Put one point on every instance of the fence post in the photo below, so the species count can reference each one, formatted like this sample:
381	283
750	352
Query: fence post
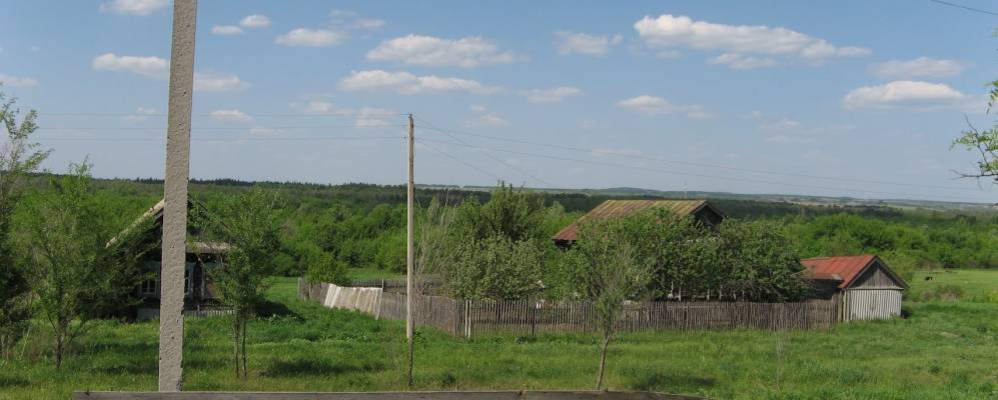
467	319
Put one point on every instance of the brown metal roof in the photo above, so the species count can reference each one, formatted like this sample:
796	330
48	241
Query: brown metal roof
623	208
847	268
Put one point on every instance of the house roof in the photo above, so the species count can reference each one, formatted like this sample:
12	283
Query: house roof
623	208
846	268
156	213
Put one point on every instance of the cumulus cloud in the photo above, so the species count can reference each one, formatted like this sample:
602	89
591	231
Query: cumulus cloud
304	37
231	116
153	67
914	94
321	107
553	95
467	52
407	83
484	117
133	7
211	82
669	32
17	81
651	105
922	67
226	30
584	43
255	21
140	114
372	116
738	61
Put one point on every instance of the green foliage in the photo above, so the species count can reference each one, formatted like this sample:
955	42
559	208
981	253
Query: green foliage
510	213
755	260
607	271
496	268
250	224
18	156
74	272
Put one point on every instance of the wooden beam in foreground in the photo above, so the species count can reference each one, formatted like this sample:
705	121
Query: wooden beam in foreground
497	395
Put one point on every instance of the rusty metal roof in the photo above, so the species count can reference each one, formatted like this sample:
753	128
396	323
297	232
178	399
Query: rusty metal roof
623	208
847	268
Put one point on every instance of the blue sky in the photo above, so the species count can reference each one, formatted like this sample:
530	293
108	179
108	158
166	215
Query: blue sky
835	98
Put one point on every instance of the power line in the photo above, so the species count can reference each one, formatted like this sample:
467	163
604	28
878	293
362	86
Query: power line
513	167
728	178
219	128
209	139
965	7
140	115
698	164
470	165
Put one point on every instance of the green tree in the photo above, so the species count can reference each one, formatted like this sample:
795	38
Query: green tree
983	142
496	268
608	272
77	272
756	261
19	155
250	225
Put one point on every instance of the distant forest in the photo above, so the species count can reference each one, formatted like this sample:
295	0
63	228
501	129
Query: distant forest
363	225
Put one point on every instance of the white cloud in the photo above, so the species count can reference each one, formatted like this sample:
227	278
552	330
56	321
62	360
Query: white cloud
210	82
922	67
407	83
603	151
669	31
368	23
264	131
231	116
371	116
255	21
484	118
738	61
322	107
467	52
304	37
553	95
226	30
651	105
153	67
133	7
584	43
17	81
917	95
141	114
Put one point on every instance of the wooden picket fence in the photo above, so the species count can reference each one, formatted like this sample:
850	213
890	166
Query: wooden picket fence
474	318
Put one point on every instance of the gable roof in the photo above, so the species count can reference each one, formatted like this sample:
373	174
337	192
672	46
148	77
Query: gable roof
155	213
846	268
622	208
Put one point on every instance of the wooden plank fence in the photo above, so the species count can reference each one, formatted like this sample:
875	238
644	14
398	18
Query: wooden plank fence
474	318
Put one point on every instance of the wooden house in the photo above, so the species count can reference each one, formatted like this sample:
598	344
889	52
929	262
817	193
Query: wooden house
864	287
202	257
701	211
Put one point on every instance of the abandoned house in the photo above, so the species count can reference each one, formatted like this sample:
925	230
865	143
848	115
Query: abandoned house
202	257
701	211
864	287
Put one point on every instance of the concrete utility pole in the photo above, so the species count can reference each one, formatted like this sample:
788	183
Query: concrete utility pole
410	250
178	147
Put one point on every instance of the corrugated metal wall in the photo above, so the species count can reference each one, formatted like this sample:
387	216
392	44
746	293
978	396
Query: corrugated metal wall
867	304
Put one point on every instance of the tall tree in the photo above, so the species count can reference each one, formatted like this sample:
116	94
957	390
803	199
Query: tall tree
608	272
19	155
984	142
249	224
77	272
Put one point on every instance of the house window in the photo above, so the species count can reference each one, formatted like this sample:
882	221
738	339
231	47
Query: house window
188	279
148	287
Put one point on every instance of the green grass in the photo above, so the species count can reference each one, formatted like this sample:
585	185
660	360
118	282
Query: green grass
358	274
945	350
977	285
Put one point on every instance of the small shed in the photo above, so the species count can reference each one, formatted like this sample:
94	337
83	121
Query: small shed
701	210
864	286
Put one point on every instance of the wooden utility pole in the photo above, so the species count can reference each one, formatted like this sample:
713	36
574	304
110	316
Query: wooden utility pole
178	148
410	250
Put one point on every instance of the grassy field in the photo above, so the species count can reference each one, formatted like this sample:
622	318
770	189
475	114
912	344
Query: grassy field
944	350
973	285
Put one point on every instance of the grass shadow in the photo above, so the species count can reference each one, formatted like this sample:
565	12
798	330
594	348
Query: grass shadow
270	308
10	382
670	381
284	368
